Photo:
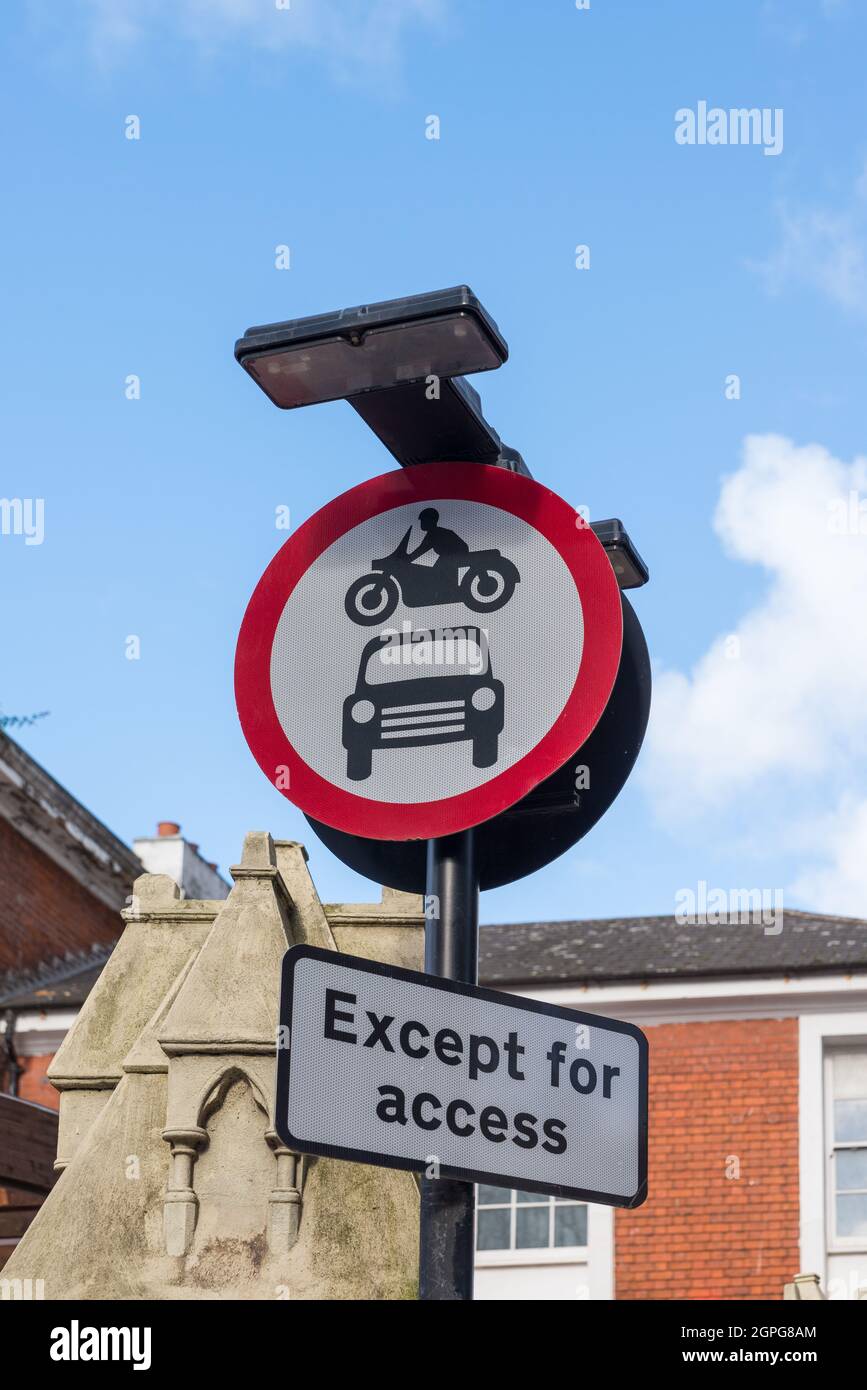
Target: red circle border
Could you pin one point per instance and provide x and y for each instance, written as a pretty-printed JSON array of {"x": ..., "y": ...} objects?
[{"x": 597, "y": 587}]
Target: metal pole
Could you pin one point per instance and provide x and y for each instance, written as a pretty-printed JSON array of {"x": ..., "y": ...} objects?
[{"x": 451, "y": 950}]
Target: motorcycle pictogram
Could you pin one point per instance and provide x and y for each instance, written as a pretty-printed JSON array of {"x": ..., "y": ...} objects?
[{"x": 484, "y": 580}]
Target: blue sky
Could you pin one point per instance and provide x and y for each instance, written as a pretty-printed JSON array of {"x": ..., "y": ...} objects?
[{"x": 306, "y": 127}]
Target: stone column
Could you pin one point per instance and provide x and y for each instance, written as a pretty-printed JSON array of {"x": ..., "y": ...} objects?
[
  {"x": 181, "y": 1205},
  {"x": 284, "y": 1202}
]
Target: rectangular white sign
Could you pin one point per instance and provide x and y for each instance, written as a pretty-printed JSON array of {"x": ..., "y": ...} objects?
[{"x": 388, "y": 1066}]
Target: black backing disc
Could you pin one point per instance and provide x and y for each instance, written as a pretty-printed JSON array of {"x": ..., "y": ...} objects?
[{"x": 548, "y": 821}]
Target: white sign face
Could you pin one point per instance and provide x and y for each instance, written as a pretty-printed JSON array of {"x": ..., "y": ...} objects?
[
  {"x": 427, "y": 649},
  {"x": 416, "y": 672},
  {"x": 388, "y": 1066}
]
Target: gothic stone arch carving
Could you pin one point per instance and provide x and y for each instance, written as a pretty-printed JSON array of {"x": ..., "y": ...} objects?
[{"x": 181, "y": 1203}]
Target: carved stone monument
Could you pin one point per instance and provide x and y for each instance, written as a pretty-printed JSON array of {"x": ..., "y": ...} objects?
[{"x": 173, "y": 1181}]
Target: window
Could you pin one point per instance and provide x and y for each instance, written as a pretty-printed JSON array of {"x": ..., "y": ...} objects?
[
  {"x": 847, "y": 1129},
  {"x": 510, "y": 1220}
]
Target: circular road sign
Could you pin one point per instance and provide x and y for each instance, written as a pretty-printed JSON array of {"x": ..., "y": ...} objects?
[{"x": 427, "y": 649}]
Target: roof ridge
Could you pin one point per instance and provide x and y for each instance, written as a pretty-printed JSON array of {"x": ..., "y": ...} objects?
[{"x": 667, "y": 917}]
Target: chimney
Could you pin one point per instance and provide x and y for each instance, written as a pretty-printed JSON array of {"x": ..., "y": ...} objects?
[{"x": 168, "y": 852}]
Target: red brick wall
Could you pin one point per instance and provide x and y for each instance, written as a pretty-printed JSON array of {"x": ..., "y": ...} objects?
[
  {"x": 43, "y": 912},
  {"x": 33, "y": 1083},
  {"x": 720, "y": 1094}
]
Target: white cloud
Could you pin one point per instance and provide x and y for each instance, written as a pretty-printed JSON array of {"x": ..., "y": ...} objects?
[
  {"x": 794, "y": 21},
  {"x": 821, "y": 249},
  {"x": 349, "y": 35},
  {"x": 839, "y": 884},
  {"x": 771, "y": 724}
]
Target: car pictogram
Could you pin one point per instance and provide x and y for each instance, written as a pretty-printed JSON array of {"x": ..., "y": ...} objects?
[{"x": 421, "y": 688}]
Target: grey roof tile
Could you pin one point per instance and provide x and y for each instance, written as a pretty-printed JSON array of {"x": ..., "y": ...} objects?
[{"x": 646, "y": 948}]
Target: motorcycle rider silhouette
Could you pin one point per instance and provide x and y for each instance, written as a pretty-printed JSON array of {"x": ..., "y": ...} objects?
[
  {"x": 446, "y": 543},
  {"x": 482, "y": 579}
]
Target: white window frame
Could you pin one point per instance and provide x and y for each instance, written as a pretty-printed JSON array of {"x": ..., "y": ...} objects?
[
  {"x": 837, "y": 1244},
  {"x": 818, "y": 1032},
  {"x": 532, "y": 1254},
  {"x": 595, "y": 1259}
]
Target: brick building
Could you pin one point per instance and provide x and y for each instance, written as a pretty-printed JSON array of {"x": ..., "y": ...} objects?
[
  {"x": 64, "y": 877},
  {"x": 758, "y": 1111}
]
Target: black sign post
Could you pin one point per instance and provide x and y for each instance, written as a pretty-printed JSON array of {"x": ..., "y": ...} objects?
[
  {"x": 451, "y": 950},
  {"x": 514, "y": 811}
]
